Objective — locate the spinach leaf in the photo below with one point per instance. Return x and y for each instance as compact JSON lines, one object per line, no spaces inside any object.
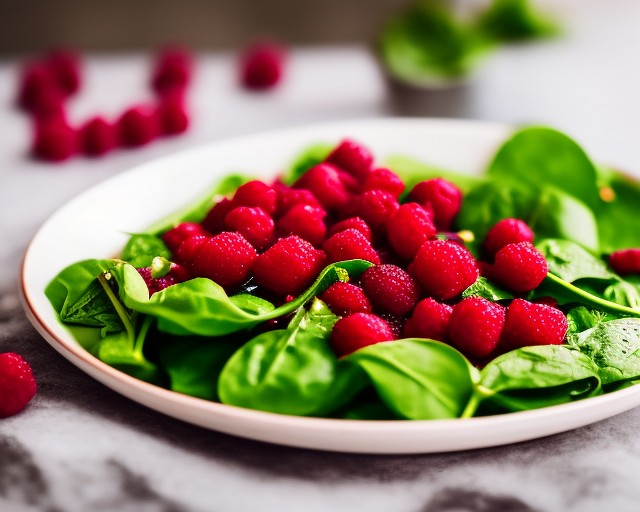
{"x":581,"y":318}
{"x":515,"y":20}
{"x":624,"y":293}
{"x":571,"y":262}
{"x":487,"y":290}
{"x":310,"y":157}
{"x":618,"y":219}
{"x":141,"y":249}
{"x":417,"y":378}
{"x":614,"y":346}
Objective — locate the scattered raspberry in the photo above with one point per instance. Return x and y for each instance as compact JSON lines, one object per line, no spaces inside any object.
{"x":352,"y":157}
{"x":258,"y":194}
{"x":98,"y":136}
{"x":138,"y":126}
{"x":323,"y":180}
{"x":475,"y":326}
{"x":352,"y":223}
{"x":172,"y":71}
{"x":35,"y":80}
{"x":375,"y":207}
{"x":430,"y":319}
{"x":17,"y":384}
{"x":54,"y":140}
{"x":444,"y":269}
{"x":529,"y":324}
{"x":350,"y":244}
{"x":519,"y":267}
{"x":305,"y":221}
{"x":443,"y":196}
{"x":346,"y":299}
{"x":48,"y":104}
{"x":506,"y":231}
{"x":262,"y":66}
{"x":288,"y":266}
{"x":225,"y":258}
{"x":289,"y":197}
{"x":390,"y":289}
{"x":357,"y":331}
{"x":252,"y":223}
{"x":172,"y":114}
{"x":66,"y":70}
{"x":626,"y":261}
{"x":384,"y":179}
{"x":408,"y":229}
{"x":214,"y":221}
{"x":174,"y":237}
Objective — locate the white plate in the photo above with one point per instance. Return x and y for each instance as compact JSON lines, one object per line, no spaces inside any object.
{"x":95,"y":224}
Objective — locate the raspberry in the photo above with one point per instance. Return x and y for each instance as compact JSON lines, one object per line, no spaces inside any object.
{"x":529,"y":324}
{"x":626,"y":261}
{"x":172,"y":71}
{"x":350,"y":244}
{"x":475,"y":326}
{"x":305,"y":221}
{"x":384,"y":179}
{"x":352,"y":157}
{"x":357,"y":331}
{"x":430,"y":319}
{"x":225,"y":258}
{"x":173,"y":115}
{"x":346,"y":299}
{"x":175,"y":236}
{"x":390,"y":289}
{"x":262,"y":66}
{"x":408,"y":229}
{"x":323,"y":180}
{"x":352,"y":223}
{"x":288,"y":266}
{"x":252,"y":223}
{"x":519,"y":267}
{"x":289,"y":197}
{"x":547,"y":301}
{"x":176,"y":274}
{"x":98,"y":136}
{"x":66,"y":69}
{"x":256,"y":193}
{"x":506,"y":231}
{"x":54,"y":140}
{"x":375,"y":207}
{"x":17,"y":384}
{"x":444,"y":269}
{"x":35,"y":80}
{"x":187,"y":250}
{"x":350,"y":182}
{"x":214,"y":220}
{"x":48,"y":104}
{"x":443,"y":196}
{"x":138,"y":126}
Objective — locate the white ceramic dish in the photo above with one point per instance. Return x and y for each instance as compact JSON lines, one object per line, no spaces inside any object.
{"x":96,"y":222}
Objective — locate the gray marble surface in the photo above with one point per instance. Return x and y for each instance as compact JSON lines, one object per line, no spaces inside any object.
{"x":81,"y":447}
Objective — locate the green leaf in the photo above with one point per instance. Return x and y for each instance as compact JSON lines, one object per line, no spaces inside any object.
{"x":118,"y":351}
{"x":581,"y":318}
{"x":308,"y":158}
{"x":485,"y":289}
{"x":618,"y":219}
{"x":572,"y":262}
{"x":141,"y":249}
{"x":623,"y":293}
{"x":416,"y":378}
{"x":515,"y":20}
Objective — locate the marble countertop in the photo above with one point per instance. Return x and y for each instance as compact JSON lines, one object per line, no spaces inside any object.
{"x":80,"y":446}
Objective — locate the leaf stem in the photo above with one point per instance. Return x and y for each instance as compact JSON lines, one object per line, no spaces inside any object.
{"x":478,"y":395}
{"x":120,"y":310}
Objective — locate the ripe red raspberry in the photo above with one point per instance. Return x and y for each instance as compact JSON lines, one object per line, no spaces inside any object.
{"x":214,"y":220}
{"x":186,"y":251}
{"x":346,"y":299}
{"x":288,"y":266}
{"x":172,"y":70}
{"x":352,"y":157}
{"x":17,"y":384}
{"x":98,"y":136}
{"x":408,"y":229}
{"x":252,"y":223}
{"x":384,"y":179}
{"x":357,"y":331}
{"x":287,"y":198}
{"x":35,"y":80}
{"x":352,"y":223}
{"x":519,"y":267}
{"x":390,"y":289}
{"x":506,"y":231}
{"x":350,"y":244}
{"x":444,"y":269}
{"x":258,"y":194}
{"x":350,"y":182}
{"x":375,"y":207}
{"x":305,"y":221}
{"x":323,"y":180}
{"x":547,"y":301}
{"x":48,"y":104}
{"x":430,"y":319}
{"x":178,"y":234}
{"x":626,"y":261}
{"x":529,"y":324}
{"x":173,"y":115}
{"x":138,"y":126}
{"x":54,"y":140}
{"x":225,"y":258}
{"x":66,"y":69}
{"x":177,"y":274}
{"x":443,"y":196}
{"x":475,"y":326}
{"x":262,"y":66}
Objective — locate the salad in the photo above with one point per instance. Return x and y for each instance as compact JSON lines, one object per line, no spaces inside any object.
{"x":357,"y":289}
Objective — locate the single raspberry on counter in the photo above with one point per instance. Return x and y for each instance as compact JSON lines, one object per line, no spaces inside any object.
{"x":262,"y":66}
{"x":350,"y":244}
{"x":390,"y":289}
{"x":444,"y":269}
{"x":506,"y":231}
{"x":430,"y":319}
{"x":138,"y":126}
{"x":443,"y":196}
{"x":173,"y":115}
{"x":625,"y":261}
{"x":305,"y":221}
{"x":214,"y":220}
{"x":346,"y":299}
{"x":519,"y":267}
{"x":225,"y":258}
{"x":357,"y":331}
{"x":252,"y":223}
{"x":48,"y":104}
{"x":375,"y":207}
{"x":98,"y":136}
{"x":384,"y":179}
{"x":54,"y":140}
{"x":529,"y":324}
{"x":288,"y":197}
{"x":352,"y":223}
{"x":178,"y":234}
{"x":408,"y":228}
{"x":172,"y":70}
{"x":475,"y":326}
{"x":323,"y":180}
{"x":352,"y":157}
{"x":17,"y":384}
{"x":288,"y":266}
{"x":257,"y":194}
{"x":66,"y":69}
